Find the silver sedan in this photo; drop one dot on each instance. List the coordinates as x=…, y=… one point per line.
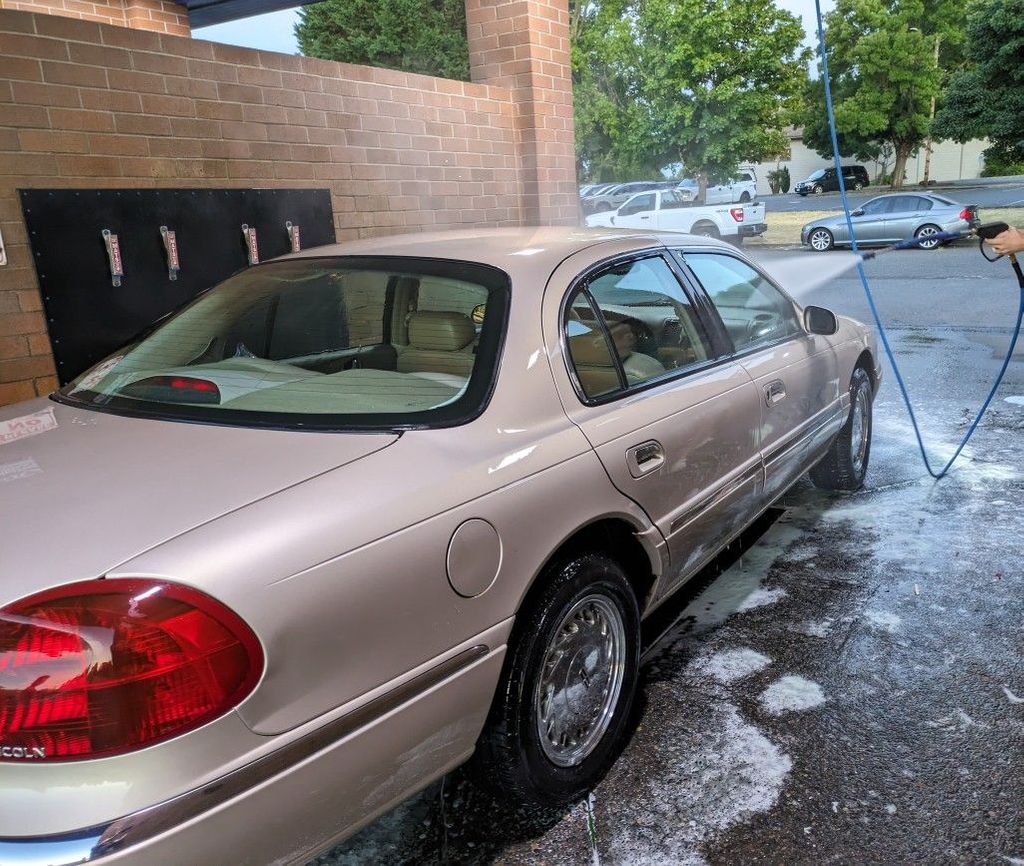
x=888, y=219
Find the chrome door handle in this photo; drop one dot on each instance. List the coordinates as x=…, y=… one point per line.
x=774, y=392
x=645, y=458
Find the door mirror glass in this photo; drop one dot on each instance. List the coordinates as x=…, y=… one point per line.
x=858, y=212
x=820, y=321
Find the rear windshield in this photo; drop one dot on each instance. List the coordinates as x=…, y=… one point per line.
x=317, y=343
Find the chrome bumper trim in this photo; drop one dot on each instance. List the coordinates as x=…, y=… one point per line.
x=89, y=845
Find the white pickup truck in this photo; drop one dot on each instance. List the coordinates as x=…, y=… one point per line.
x=668, y=210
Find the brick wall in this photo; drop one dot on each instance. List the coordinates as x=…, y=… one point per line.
x=90, y=105
x=161, y=16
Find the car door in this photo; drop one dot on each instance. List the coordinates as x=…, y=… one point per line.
x=638, y=212
x=870, y=221
x=906, y=213
x=674, y=425
x=796, y=373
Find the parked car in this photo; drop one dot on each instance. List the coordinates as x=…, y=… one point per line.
x=890, y=218
x=742, y=188
x=671, y=210
x=855, y=177
x=302, y=549
x=610, y=198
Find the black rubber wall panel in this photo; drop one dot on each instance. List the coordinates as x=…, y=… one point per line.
x=87, y=316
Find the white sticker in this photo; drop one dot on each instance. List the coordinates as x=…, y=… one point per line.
x=93, y=378
x=27, y=425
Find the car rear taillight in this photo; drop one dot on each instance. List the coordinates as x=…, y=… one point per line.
x=737, y=214
x=103, y=667
x=966, y=214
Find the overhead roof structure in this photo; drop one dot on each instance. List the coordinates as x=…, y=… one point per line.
x=203, y=13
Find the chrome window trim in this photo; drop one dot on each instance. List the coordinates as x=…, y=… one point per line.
x=582, y=282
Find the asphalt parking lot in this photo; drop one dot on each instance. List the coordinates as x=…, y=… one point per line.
x=851, y=689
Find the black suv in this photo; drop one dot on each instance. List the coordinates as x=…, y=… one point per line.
x=825, y=180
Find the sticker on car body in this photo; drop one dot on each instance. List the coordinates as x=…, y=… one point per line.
x=27, y=425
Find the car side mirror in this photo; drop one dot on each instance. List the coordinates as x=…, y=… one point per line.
x=858, y=212
x=818, y=320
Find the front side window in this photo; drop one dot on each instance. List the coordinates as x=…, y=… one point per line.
x=876, y=206
x=634, y=321
x=317, y=343
x=753, y=311
x=638, y=204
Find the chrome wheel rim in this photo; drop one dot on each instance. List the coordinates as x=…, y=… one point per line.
x=820, y=240
x=818, y=190
x=581, y=678
x=859, y=430
x=924, y=234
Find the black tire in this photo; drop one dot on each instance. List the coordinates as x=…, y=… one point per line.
x=511, y=760
x=706, y=230
x=818, y=189
x=924, y=232
x=858, y=185
x=745, y=197
x=821, y=240
x=846, y=463
x=735, y=240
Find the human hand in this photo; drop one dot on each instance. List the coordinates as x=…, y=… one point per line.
x=1010, y=241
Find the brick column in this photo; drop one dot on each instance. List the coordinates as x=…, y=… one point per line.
x=524, y=45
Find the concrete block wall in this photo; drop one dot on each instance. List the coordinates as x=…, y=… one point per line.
x=84, y=104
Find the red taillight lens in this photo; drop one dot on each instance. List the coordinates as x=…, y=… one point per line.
x=174, y=389
x=108, y=666
x=966, y=214
x=737, y=214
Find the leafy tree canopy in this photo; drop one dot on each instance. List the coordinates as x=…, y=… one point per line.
x=425, y=36
x=986, y=99
x=705, y=83
x=884, y=74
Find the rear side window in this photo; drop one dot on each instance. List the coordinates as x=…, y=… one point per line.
x=754, y=312
x=632, y=324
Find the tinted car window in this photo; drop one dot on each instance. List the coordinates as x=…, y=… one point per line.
x=637, y=204
x=753, y=311
x=920, y=203
x=645, y=315
x=876, y=206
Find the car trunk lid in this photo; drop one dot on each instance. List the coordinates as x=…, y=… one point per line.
x=82, y=491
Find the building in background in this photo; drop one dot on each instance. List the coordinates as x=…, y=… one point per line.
x=950, y=161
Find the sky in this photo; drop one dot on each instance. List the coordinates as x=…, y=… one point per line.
x=275, y=31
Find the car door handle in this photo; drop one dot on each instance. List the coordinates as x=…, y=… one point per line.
x=774, y=392
x=646, y=217
x=645, y=458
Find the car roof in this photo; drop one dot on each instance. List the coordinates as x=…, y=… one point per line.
x=523, y=253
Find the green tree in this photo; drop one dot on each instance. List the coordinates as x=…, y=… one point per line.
x=882, y=57
x=425, y=36
x=703, y=83
x=986, y=99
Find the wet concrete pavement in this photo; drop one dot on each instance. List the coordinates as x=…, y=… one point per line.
x=851, y=689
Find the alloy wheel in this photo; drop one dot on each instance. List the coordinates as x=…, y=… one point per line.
x=578, y=690
x=820, y=240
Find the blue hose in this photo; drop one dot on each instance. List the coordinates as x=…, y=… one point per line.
x=871, y=298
